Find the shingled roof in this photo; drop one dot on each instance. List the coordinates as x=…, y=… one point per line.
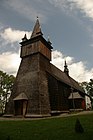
x=63, y=77
x=75, y=95
x=21, y=96
x=37, y=29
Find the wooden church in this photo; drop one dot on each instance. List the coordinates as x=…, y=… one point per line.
x=40, y=88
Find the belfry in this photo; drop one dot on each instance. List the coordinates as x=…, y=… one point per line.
x=40, y=88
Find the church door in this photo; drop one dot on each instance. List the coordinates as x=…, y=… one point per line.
x=20, y=107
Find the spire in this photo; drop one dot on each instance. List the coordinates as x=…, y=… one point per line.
x=37, y=29
x=66, y=70
x=24, y=38
x=49, y=40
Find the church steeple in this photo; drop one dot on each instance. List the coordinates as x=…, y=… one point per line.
x=37, y=29
x=36, y=44
x=66, y=70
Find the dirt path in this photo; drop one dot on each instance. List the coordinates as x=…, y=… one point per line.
x=62, y=115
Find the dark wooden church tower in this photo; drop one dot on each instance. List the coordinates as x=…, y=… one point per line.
x=40, y=88
x=30, y=93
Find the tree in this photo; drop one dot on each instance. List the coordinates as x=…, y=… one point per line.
x=88, y=87
x=6, y=84
x=84, y=86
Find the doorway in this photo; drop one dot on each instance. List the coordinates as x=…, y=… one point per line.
x=20, y=107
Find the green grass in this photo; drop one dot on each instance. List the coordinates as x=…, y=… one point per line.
x=47, y=129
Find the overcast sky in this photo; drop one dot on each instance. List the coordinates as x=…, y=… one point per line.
x=68, y=23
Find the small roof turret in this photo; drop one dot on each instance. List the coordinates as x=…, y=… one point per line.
x=66, y=70
x=24, y=38
x=49, y=41
x=37, y=29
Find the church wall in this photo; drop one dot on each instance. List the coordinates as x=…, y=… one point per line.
x=43, y=85
x=27, y=82
x=58, y=94
x=29, y=49
x=27, y=75
x=63, y=92
x=44, y=50
x=35, y=47
x=43, y=93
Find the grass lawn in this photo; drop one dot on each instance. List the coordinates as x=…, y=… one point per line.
x=47, y=129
